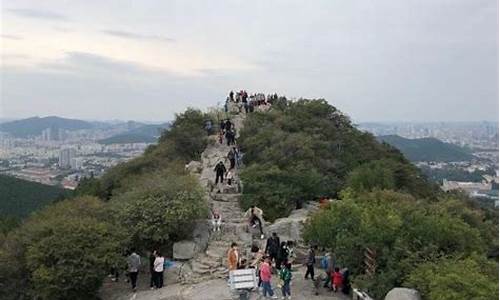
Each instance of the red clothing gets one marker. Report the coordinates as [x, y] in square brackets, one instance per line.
[337, 278]
[265, 272]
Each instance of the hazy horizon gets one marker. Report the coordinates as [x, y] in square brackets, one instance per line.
[424, 61]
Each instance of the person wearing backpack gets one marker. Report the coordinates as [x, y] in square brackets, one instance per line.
[286, 278]
[327, 264]
[231, 155]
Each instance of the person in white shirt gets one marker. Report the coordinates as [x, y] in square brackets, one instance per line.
[216, 220]
[158, 267]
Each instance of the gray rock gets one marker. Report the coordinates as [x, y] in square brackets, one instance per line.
[403, 294]
[184, 250]
[201, 236]
[194, 167]
[290, 228]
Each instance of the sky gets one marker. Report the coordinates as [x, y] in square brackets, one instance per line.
[412, 60]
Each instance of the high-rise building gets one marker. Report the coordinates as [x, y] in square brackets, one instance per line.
[65, 156]
[76, 163]
[47, 134]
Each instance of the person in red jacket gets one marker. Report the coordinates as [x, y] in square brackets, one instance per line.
[337, 280]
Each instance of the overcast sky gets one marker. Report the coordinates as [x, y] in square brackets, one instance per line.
[376, 60]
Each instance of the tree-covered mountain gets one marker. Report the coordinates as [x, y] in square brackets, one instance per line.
[19, 198]
[141, 134]
[427, 149]
[34, 126]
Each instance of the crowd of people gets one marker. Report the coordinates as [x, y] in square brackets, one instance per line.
[247, 103]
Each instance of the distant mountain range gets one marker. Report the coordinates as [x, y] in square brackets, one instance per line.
[34, 126]
[129, 131]
[427, 149]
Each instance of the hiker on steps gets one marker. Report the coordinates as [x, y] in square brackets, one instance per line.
[233, 257]
[231, 155]
[273, 247]
[216, 220]
[254, 215]
[310, 261]
[220, 170]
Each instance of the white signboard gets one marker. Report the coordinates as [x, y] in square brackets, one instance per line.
[243, 279]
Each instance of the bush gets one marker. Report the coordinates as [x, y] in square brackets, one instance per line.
[456, 279]
[403, 231]
[66, 249]
[160, 209]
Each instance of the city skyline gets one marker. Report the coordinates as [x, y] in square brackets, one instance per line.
[418, 60]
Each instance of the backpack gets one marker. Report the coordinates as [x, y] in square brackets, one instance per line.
[324, 262]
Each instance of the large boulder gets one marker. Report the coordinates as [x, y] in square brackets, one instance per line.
[403, 294]
[290, 228]
[184, 250]
[194, 167]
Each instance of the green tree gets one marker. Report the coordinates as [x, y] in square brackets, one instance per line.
[160, 209]
[473, 277]
[68, 248]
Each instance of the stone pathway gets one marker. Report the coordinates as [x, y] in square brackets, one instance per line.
[205, 276]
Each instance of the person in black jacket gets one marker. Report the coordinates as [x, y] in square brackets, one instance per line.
[282, 257]
[220, 170]
[273, 246]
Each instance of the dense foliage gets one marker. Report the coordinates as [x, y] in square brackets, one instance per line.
[21, 197]
[305, 149]
[406, 233]
[159, 209]
[65, 250]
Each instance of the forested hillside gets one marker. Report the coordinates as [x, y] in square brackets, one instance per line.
[298, 151]
[18, 198]
[66, 250]
[301, 151]
[427, 149]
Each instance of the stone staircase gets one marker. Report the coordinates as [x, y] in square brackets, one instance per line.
[211, 263]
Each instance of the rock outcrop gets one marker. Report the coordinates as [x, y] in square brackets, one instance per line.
[403, 294]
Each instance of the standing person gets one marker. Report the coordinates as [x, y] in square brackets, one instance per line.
[219, 169]
[237, 156]
[208, 127]
[134, 264]
[233, 257]
[337, 280]
[228, 125]
[254, 215]
[328, 264]
[265, 275]
[346, 283]
[231, 95]
[229, 177]
[311, 260]
[286, 278]
[273, 246]
[216, 220]
[231, 155]
[158, 266]
[152, 258]
[282, 257]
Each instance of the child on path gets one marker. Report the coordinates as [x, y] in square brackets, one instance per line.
[265, 276]
[337, 280]
[286, 277]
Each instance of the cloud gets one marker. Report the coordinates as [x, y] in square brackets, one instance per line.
[11, 36]
[136, 36]
[38, 14]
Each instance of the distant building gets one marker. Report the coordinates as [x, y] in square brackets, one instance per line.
[47, 134]
[76, 163]
[65, 156]
[474, 189]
